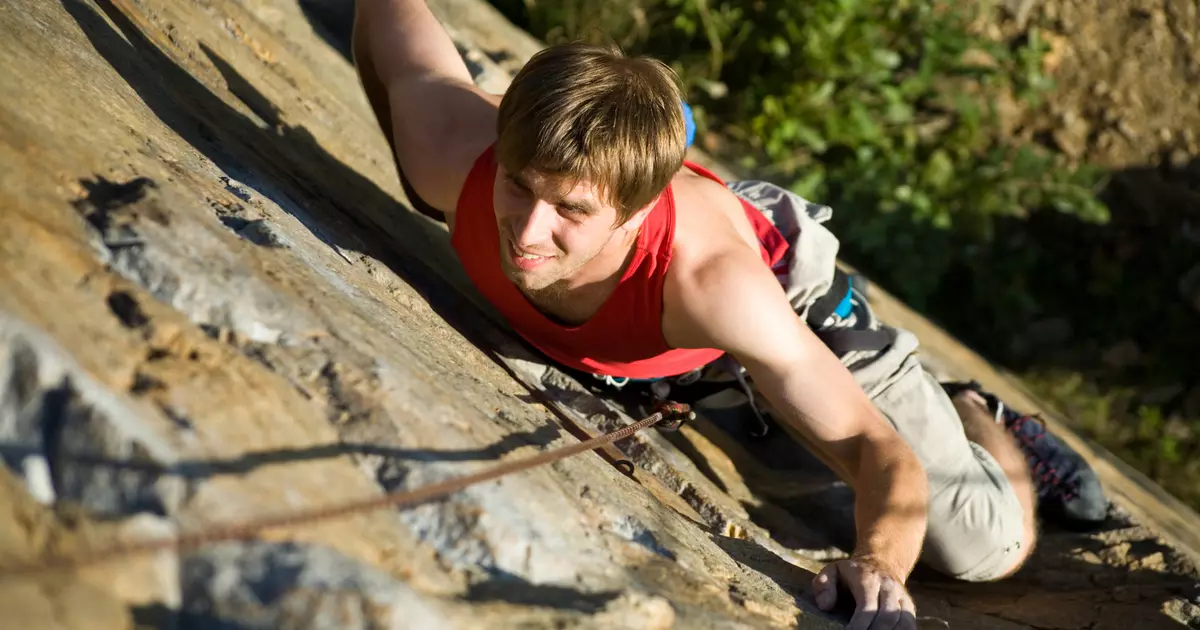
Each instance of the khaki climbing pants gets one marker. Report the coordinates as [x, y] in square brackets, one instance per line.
[975, 520]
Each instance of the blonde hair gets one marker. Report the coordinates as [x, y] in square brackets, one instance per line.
[586, 112]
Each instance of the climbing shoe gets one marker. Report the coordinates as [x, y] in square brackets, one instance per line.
[1068, 491]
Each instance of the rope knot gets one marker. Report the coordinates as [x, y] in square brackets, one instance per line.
[673, 415]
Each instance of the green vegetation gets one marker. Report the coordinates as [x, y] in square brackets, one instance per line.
[894, 112]
[877, 105]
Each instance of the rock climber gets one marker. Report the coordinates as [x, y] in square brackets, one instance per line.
[573, 211]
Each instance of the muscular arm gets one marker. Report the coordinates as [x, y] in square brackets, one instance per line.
[436, 120]
[732, 302]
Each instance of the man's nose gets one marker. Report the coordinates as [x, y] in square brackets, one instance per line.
[533, 227]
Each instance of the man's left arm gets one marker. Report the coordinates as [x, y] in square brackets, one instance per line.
[734, 303]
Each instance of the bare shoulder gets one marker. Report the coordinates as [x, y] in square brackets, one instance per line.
[708, 217]
[716, 270]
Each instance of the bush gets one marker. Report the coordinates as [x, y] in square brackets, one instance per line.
[882, 108]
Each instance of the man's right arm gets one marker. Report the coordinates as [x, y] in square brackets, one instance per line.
[437, 120]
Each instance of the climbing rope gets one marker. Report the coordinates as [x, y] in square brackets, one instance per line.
[670, 414]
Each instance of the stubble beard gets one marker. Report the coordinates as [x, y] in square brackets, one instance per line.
[547, 286]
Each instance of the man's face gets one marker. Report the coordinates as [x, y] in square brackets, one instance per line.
[549, 232]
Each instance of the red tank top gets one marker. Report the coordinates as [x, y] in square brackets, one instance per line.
[624, 338]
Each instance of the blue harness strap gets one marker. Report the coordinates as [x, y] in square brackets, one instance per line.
[846, 305]
[689, 121]
[836, 301]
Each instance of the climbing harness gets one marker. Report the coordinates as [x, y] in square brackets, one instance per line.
[670, 415]
[731, 365]
[839, 301]
[829, 317]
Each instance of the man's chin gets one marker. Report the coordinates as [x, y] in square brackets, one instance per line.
[525, 281]
[540, 279]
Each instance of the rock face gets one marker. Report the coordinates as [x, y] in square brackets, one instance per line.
[216, 307]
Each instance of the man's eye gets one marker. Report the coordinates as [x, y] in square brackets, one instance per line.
[574, 214]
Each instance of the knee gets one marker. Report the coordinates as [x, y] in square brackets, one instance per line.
[982, 540]
[987, 556]
[1020, 554]
[1010, 555]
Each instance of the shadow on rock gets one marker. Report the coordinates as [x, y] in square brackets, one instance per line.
[512, 589]
[791, 578]
[281, 162]
[80, 458]
[333, 20]
[805, 507]
[795, 580]
[159, 616]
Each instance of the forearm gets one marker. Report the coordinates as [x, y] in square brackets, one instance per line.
[848, 434]
[891, 499]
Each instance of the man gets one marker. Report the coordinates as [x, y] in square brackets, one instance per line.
[574, 213]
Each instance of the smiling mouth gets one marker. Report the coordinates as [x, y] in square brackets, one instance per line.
[525, 255]
[524, 260]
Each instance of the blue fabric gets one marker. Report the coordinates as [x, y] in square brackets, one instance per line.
[690, 122]
[845, 306]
